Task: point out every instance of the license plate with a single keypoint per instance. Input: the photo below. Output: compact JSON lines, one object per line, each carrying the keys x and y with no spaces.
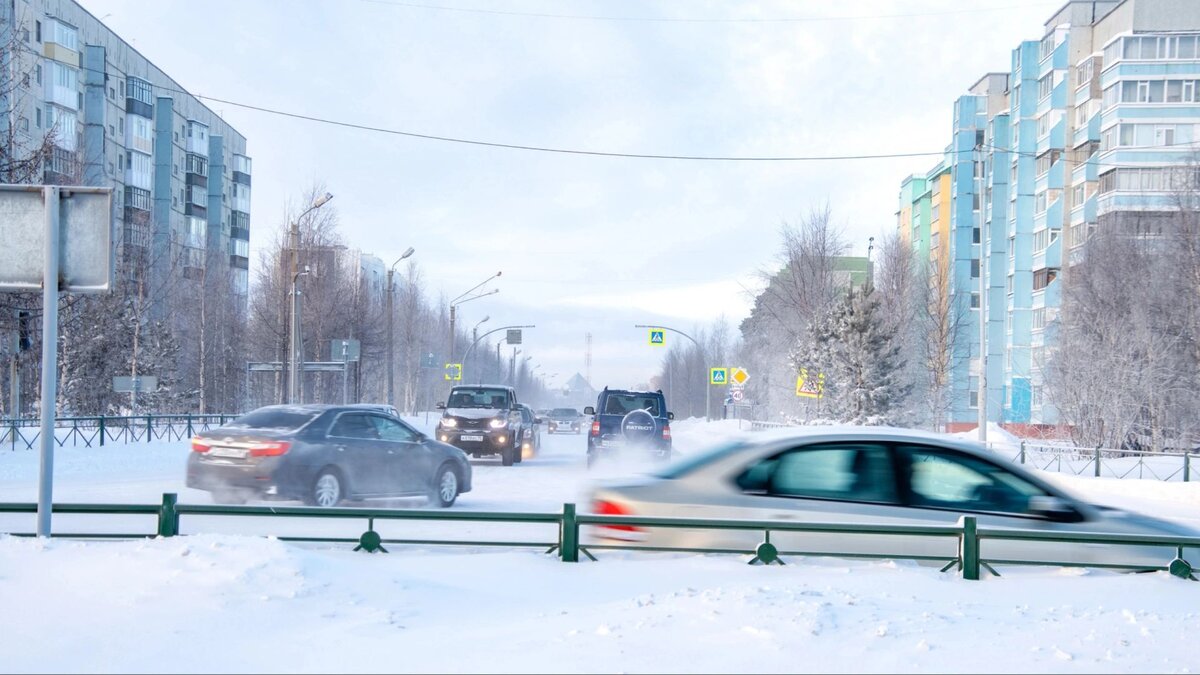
{"x":227,"y":452}
{"x":471,"y":437}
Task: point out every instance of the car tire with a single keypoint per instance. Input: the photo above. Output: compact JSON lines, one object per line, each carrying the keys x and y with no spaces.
{"x":519,"y":452}
{"x":445,"y":488}
{"x":506,"y":456}
{"x":328,"y":489}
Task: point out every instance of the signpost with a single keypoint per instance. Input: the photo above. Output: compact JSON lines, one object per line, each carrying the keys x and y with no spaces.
{"x":54,"y":239}
{"x":344,"y":351}
{"x":658,"y":337}
{"x":132,"y":384}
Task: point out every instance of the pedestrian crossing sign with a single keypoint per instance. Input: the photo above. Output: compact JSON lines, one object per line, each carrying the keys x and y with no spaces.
{"x":718,"y":376}
{"x":658,"y":337}
{"x":810,"y":386}
{"x":453,"y":372}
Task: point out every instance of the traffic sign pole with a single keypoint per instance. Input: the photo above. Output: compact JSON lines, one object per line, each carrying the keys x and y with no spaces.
{"x":49,"y":362}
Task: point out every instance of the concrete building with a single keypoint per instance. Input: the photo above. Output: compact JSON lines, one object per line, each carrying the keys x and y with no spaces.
{"x":181,"y":175}
{"x":1090,"y":128}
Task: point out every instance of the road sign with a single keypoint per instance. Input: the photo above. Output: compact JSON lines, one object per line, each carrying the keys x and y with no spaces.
{"x":344,"y":350}
{"x":718,"y":376}
{"x":737,"y":394}
{"x":810,"y":386}
{"x":658,"y":337}
{"x":127,"y":384}
{"x":513,"y":337}
{"x":738,"y":375}
{"x":453,"y":372}
{"x":430,"y":360}
{"x":86,"y":255}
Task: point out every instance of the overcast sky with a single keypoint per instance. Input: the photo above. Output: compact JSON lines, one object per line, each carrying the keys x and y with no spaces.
{"x":586,"y":244}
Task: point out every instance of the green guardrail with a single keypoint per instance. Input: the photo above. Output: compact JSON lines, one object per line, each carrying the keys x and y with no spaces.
{"x":969,"y":559}
{"x":23,"y":433}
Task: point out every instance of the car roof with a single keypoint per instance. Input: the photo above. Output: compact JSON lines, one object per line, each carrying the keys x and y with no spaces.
{"x":864,"y":433}
{"x":482,"y":386}
{"x":638,"y":392}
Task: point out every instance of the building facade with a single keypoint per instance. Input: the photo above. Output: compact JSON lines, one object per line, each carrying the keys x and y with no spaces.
{"x":1088,"y":129}
{"x":111,"y":118}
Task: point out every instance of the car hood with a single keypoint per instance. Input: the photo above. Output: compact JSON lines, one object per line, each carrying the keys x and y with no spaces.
{"x":1149,"y":524}
{"x":474,"y":413}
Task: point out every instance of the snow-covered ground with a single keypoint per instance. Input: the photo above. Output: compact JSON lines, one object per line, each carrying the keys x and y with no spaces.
{"x":219,"y":600}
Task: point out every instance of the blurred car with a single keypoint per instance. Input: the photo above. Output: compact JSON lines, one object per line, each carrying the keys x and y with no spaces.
{"x":483,"y":420}
{"x":531,"y":432}
{"x":379,"y":407}
{"x":324,"y":455}
{"x":564,"y":420}
{"x":623,"y":419}
{"x":873,"y":476}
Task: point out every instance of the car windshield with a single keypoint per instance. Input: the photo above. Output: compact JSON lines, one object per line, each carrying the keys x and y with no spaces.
{"x":275,"y":419}
{"x":564,"y":413}
{"x":478,"y":398}
{"x":622,"y":404}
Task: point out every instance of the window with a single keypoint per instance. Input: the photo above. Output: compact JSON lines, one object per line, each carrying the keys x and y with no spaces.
{"x":37,"y":26}
{"x":1042,"y":278}
{"x":121,"y":162}
{"x":37,"y":73}
{"x":112,"y":92}
{"x":64,"y":35}
{"x":1045,"y":85}
{"x":240,"y":247}
{"x":197,"y":232}
{"x":139,"y":90}
{"x":975,"y":238}
{"x":1039,"y":318}
{"x":975,"y":268}
{"x":354,"y":425}
{"x":1039,"y":203}
{"x":945,"y":479}
{"x":1077,"y":195}
{"x":973,"y":399}
{"x":197,"y":165}
{"x":112,"y":132}
{"x":974,"y":301}
{"x":65,"y":76}
{"x":37,"y":117}
{"x":23,"y":124}
{"x":849,"y":472}
{"x":391,"y":430}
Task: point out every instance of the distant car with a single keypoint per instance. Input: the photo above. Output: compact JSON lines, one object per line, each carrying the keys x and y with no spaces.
{"x":873,"y":476}
{"x":483,"y":420}
{"x":324,"y":455}
{"x":636,"y":420}
{"x":531,"y":432}
{"x":380,"y":407}
{"x":564,"y":420}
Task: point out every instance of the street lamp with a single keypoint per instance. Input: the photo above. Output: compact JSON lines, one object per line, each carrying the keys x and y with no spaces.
{"x":391,"y":360}
{"x":295,"y":271}
{"x":463,"y":298}
{"x":297,"y":348}
{"x":475,"y":332}
{"x":707,"y":385}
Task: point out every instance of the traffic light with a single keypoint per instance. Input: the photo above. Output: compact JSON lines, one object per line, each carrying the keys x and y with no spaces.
{"x":24,"y":333}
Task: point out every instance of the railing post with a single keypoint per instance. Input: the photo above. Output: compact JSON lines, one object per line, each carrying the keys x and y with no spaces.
{"x":568,"y":535}
{"x":969,"y":549}
{"x":1097,"y":461}
{"x":1022,"y":452}
{"x":190,"y":433}
{"x":168,"y":515}
{"x":1187,"y":467}
{"x":102,"y":431}
{"x":149,"y":429}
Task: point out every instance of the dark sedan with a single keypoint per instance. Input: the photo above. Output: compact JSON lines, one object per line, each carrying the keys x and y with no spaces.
{"x":324,"y":455}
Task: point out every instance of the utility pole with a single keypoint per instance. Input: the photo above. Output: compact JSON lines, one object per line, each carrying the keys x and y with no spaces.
{"x":293,"y":331}
{"x":391,"y":328}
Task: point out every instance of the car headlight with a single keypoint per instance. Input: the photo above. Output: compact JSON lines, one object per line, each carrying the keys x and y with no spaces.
{"x":449,"y":422}
{"x":498,"y":423}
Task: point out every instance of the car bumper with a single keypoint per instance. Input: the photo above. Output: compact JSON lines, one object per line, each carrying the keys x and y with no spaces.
{"x":270,"y":478}
{"x":564,"y":429}
{"x":476,"y":441}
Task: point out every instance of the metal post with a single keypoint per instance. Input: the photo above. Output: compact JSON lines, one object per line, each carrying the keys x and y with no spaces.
{"x":1097,"y":461}
{"x":1187,"y":467}
{"x":189,"y":425}
{"x":149,"y":429}
{"x":168,"y":515}
{"x":568,"y":535}
{"x":49,"y":361}
{"x":969,"y":549}
{"x":391,"y":341}
{"x":345,"y":373}
{"x":292,"y":348}
{"x":452,"y":317}
{"x":1022,"y":452}
{"x":102,"y":431}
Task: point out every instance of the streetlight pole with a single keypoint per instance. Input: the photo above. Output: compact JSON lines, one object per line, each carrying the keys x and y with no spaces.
{"x":707,"y":385}
{"x":501,"y":341}
{"x":391,"y":355}
{"x":297,"y":348}
{"x":294,"y":245}
{"x":475,"y":337}
{"x":460,"y":300}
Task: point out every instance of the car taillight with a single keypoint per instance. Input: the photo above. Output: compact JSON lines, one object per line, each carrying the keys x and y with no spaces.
{"x":201,"y":444}
{"x":666,"y":432}
{"x":596,"y":427}
{"x":270,"y":449}
{"x":604,"y":507}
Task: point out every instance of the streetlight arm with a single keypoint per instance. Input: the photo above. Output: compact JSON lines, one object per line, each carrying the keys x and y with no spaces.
{"x":477,"y":286}
{"x":494,"y":330}
{"x":673,"y":330}
{"x":459,"y":301}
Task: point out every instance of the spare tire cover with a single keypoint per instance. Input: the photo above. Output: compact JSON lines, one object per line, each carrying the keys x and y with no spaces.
{"x":638,"y":425}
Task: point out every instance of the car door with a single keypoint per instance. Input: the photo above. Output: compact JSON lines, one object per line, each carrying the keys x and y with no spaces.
{"x":842,"y":482}
{"x":408,"y":468}
{"x":939,"y":485}
{"x":357,"y":451}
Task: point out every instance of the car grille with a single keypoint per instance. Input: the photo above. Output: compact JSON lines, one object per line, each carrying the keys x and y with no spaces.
{"x":471,"y":424}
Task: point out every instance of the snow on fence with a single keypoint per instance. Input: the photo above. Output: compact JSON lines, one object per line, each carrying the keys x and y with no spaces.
{"x":24,"y":433}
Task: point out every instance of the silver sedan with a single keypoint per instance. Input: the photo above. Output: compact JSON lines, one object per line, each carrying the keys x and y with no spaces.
{"x":871,"y":475}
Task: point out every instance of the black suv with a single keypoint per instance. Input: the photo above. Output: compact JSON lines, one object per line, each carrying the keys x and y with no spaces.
{"x":483,"y":420}
{"x":629,"y":419}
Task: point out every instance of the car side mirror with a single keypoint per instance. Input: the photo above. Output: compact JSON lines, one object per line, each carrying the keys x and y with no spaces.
{"x":441,"y":406}
{"x":670,"y":415}
{"x":539,"y":420}
{"x":589,"y":410}
{"x":1053,"y":508}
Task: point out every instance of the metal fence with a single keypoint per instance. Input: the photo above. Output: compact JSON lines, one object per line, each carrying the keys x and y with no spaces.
{"x":969,"y":559}
{"x":24,"y":433}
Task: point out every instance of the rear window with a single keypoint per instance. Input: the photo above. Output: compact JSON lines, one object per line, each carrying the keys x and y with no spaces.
{"x":481,"y":397}
{"x":622,"y":404}
{"x":274,"y":419}
{"x":564,"y":412}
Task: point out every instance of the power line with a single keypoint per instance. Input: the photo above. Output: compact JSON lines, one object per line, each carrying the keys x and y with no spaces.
{"x":653,"y":19}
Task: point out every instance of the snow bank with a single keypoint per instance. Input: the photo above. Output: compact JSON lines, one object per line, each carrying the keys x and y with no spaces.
{"x":231,"y":604}
{"x":997,"y":438}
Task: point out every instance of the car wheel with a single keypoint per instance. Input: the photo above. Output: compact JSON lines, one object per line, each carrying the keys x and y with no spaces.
{"x":328,"y":489}
{"x":506,"y":456}
{"x":230,"y":497}
{"x":445,"y":487}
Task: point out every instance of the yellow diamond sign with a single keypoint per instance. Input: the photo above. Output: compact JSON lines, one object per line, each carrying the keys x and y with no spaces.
{"x":738,"y":375}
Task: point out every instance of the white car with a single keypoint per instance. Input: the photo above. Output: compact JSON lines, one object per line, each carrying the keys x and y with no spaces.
{"x":871,"y":475}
